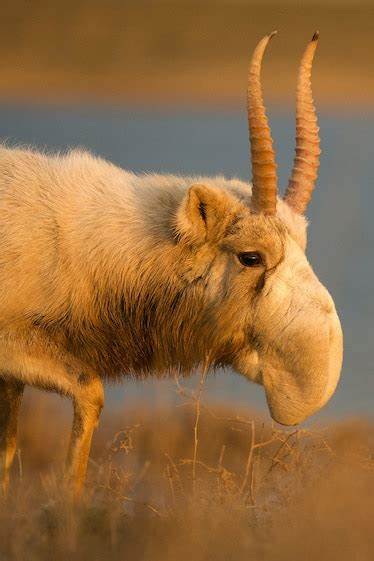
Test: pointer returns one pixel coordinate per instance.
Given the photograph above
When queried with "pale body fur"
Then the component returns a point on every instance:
(105, 273)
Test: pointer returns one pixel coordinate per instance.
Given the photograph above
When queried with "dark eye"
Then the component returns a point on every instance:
(251, 259)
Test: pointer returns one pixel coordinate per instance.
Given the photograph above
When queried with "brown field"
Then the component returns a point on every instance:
(192, 483)
(181, 51)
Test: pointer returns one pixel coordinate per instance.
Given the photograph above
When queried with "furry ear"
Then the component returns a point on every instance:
(203, 214)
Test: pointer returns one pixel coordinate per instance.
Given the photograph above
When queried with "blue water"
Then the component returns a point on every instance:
(341, 236)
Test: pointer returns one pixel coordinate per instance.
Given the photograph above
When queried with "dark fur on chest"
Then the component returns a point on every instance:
(139, 336)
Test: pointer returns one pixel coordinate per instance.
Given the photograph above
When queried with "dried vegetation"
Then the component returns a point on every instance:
(193, 482)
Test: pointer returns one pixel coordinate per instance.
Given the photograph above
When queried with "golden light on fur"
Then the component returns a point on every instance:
(106, 274)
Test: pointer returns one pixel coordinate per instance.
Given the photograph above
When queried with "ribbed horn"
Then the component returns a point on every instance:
(306, 162)
(264, 168)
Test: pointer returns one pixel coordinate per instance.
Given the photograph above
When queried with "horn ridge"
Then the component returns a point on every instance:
(307, 151)
(264, 169)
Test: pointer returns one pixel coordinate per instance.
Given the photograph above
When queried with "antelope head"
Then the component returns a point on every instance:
(296, 351)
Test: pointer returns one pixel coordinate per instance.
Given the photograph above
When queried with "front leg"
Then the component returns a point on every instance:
(32, 358)
(88, 400)
(10, 399)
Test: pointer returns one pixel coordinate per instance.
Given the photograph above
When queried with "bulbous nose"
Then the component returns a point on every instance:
(335, 356)
(305, 378)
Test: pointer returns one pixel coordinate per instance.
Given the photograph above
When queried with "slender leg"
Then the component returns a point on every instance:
(10, 401)
(88, 402)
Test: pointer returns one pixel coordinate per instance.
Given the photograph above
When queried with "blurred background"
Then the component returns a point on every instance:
(182, 51)
(160, 85)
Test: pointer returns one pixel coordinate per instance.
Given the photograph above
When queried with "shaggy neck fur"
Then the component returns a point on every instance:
(110, 293)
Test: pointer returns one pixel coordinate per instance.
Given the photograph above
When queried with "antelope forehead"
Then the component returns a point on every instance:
(257, 229)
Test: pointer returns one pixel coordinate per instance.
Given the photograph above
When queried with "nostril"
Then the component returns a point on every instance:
(324, 305)
(329, 307)
(327, 303)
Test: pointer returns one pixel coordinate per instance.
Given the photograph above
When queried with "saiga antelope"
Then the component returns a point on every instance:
(105, 274)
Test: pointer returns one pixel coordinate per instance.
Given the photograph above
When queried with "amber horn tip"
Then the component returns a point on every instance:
(315, 36)
(272, 34)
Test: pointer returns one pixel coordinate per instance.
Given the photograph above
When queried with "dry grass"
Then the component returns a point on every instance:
(190, 482)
